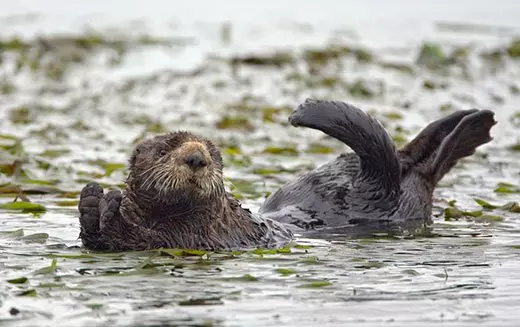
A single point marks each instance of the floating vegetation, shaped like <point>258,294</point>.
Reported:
<point>20,280</point>
<point>431,55</point>
<point>53,56</point>
<point>362,89</point>
<point>319,149</point>
<point>513,50</point>
<point>316,284</point>
<point>452,212</point>
<point>404,68</point>
<point>284,150</point>
<point>507,188</point>
<point>431,85</point>
<point>109,167</point>
<point>47,270</point>
<point>234,122</point>
<point>321,57</point>
<point>24,206</point>
<point>62,133</point>
<point>285,271</point>
<point>277,59</point>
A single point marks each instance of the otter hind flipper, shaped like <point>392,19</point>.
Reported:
<point>358,130</point>
<point>471,132</point>
<point>429,139</point>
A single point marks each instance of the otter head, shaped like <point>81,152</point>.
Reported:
<point>175,167</point>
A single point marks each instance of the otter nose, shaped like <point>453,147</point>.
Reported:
<point>196,160</point>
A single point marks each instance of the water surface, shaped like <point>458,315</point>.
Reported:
<point>77,118</point>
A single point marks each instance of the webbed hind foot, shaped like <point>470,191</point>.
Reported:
<point>379,165</point>
<point>471,132</point>
<point>429,139</point>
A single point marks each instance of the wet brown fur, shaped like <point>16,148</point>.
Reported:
<point>169,204</point>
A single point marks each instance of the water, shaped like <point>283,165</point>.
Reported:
<point>464,275</point>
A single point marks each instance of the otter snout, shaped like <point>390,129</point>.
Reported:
<point>196,160</point>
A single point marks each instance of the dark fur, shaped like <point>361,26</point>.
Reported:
<point>377,188</point>
<point>193,213</point>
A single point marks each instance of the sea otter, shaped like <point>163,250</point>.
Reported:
<point>175,198</point>
<point>175,195</point>
<point>376,188</point>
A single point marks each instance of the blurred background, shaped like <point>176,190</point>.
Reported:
<point>82,81</point>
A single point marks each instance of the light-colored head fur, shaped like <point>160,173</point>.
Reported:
<point>160,166</point>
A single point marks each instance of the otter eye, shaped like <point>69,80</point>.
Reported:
<point>162,153</point>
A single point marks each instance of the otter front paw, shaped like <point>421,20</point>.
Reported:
<point>88,207</point>
<point>109,208</point>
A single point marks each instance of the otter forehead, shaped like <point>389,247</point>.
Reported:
<point>180,144</point>
<point>173,139</point>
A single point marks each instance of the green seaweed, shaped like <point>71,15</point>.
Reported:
<point>485,204</point>
<point>431,55</point>
<point>20,280</point>
<point>23,206</point>
<point>513,49</point>
<point>30,292</point>
<point>67,203</point>
<point>277,59</point>
<point>287,150</point>
<point>201,301</point>
<point>361,90</point>
<point>404,68</point>
<point>234,122</point>
<point>285,271</point>
<point>36,237</point>
<point>489,218</point>
<point>183,252</point>
<point>316,284</point>
<point>244,278</point>
<point>319,149</point>
<point>47,270</point>
<point>506,188</point>
<point>109,167</point>
<point>20,115</point>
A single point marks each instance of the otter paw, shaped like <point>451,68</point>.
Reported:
<point>88,207</point>
<point>109,208</point>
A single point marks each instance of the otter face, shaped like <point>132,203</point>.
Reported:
<point>178,163</point>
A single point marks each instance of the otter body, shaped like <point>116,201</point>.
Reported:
<point>376,188</point>
<point>176,197</point>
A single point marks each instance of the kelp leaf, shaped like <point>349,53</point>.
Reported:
<point>15,233</point>
<point>20,280</point>
<point>507,188</point>
<point>289,151</point>
<point>485,204</point>
<point>286,271</point>
<point>511,207</point>
<point>67,203</point>
<point>183,252</point>
<point>316,284</point>
<point>47,270</point>
<point>36,236</point>
<point>24,206</point>
<point>489,218</point>
<point>31,292</point>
